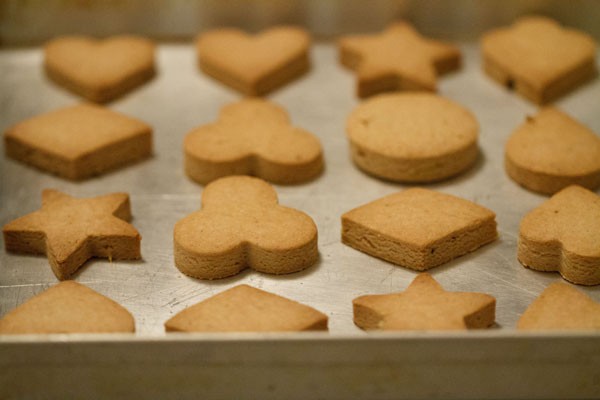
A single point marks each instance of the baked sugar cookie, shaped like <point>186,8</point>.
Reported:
<point>79,142</point>
<point>241,225</point>
<point>397,59</point>
<point>99,70</point>
<point>539,58</point>
<point>254,64</point>
<point>425,305</point>
<point>412,137</point>
<point>563,235</point>
<point>247,309</point>
<point>551,151</point>
<point>70,231</point>
<point>67,307</point>
<point>252,137</point>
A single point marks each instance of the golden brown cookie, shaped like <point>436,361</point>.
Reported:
<point>252,137</point>
<point>412,137</point>
<point>539,58</point>
<point>80,141</point>
<point>70,231</point>
<point>418,228</point>
<point>68,307</point>
<point>254,64</point>
<point>241,225</point>
<point>399,58</point>
<point>563,235</point>
<point>247,309</point>
<point>99,70</point>
<point>561,307</point>
<point>425,305</point>
<point>551,151</point>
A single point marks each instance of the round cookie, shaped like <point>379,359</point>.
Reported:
<point>412,137</point>
<point>551,151</point>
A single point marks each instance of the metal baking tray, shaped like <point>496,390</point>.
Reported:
<point>346,362</point>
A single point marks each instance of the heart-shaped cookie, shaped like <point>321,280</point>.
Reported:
<point>254,64</point>
<point>99,70</point>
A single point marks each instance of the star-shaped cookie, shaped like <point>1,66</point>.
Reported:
<point>252,137</point>
<point>563,235</point>
<point>425,305</point>
<point>241,225</point>
<point>561,307</point>
<point>254,64</point>
<point>539,58</point>
<point>399,58</point>
<point>247,309</point>
<point>68,307</point>
<point>70,231</point>
<point>99,70</point>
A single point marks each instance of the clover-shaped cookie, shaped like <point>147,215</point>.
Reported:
<point>70,231</point>
<point>551,151</point>
<point>254,64</point>
<point>563,235</point>
<point>425,305</point>
<point>241,225</point>
<point>539,58</point>
<point>252,137</point>
<point>99,70</point>
<point>397,59</point>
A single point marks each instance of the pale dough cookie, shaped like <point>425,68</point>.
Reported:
<point>539,58</point>
<point>397,59</point>
<point>247,309</point>
<point>70,231</point>
<point>252,137</point>
<point>561,307</point>
<point>99,70</point>
<point>418,228</point>
<point>412,137</point>
<point>551,151</point>
<point>254,64</point>
<point>242,225</point>
<point>79,142</point>
<point>563,235</point>
<point>68,307</point>
<point>425,305</point>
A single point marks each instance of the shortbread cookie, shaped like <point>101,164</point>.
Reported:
<point>397,59</point>
<point>99,70</point>
<point>70,231</point>
<point>252,137</point>
<point>68,307</point>
<point>551,151</point>
<point>79,142</point>
<point>241,225</point>
<point>247,309</point>
<point>539,58</point>
<point>563,235</point>
<point>425,305</point>
<point>561,307</point>
<point>412,137</point>
<point>254,64</point>
<point>418,228</point>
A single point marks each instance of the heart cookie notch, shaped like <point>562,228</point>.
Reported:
<point>254,64</point>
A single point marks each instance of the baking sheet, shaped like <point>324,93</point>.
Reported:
<point>181,98</point>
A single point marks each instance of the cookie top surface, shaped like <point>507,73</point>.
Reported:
<point>538,49</point>
<point>412,125</point>
<point>76,131</point>
<point>246,309</point>
<point>425,305</point>
<point>68,307</point>
<point>561,307</point>
<point>419,216</point>
<point>553,143</point>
